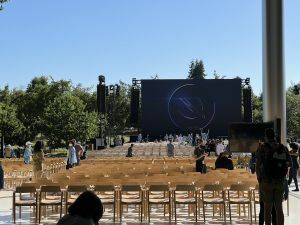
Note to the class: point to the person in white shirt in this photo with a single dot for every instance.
(219, 148)
(180, 139)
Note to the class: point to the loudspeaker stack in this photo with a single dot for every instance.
(134, 106)
(101, 94)
(247, 100)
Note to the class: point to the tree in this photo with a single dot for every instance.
(1, 2)
(197, 70)
(66, 118)
(86, 95)
(257, 108)
(293, 114)
(10, 125)
(118, 109)
(295, 89)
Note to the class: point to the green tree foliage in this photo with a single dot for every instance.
(293, 114)
(295, 89)
(118, 109)
(31, 104)
(257, 108)
(196, 70)
(87, 96)
(1, 2)
(65, 118)
(10, 126)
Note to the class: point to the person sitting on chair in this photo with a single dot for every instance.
(223, 162)
(129, 151)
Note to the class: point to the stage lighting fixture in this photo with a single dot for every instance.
(247, 81)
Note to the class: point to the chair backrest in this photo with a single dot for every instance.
(25, 189)
(36, 185)
(50, 188)
(213, 187)
(77, 188)
(239, 187)
(104, 188)
(131, 188)
(161, 187)
(182, 187)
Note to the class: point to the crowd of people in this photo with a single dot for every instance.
(35, 155)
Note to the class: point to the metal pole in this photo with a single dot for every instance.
(274, 95)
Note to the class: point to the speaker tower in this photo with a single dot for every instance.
(101, 95)
(134, 106)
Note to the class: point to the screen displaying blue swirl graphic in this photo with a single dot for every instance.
(185, 106)
(188, 109)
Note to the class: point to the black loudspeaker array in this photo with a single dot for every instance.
(134, 106)
(247, 100)
(101, 95)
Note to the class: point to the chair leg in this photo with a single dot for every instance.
(170, 215)
(175, 210)
(149, 208)
(203, 208)
(40, 210)
(61, 209)
(196, 214)
(141, 211)
(114, 211)
(229, 212)
(250, 213)
(36, 214)
(14, 213)
(224, 207)
(121, 212)
(254, 211)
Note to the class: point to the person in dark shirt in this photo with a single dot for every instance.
(295, 166)
(199, 154)
(129, 151)
(211, 146)
(223, 162)
(252, 162)
(122, 140)
(271, 184)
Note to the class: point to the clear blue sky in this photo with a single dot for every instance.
(121, 39)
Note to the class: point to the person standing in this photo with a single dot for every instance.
(72, 159)
(211, 146)
(28, 153)
(199, 155)
(294, 169)
(170, 149)
(219, 148)
(272, 162)
(9, 152)
(78, 150)
(38, 159)
(139, 138)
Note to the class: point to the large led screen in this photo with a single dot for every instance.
(185, 106)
